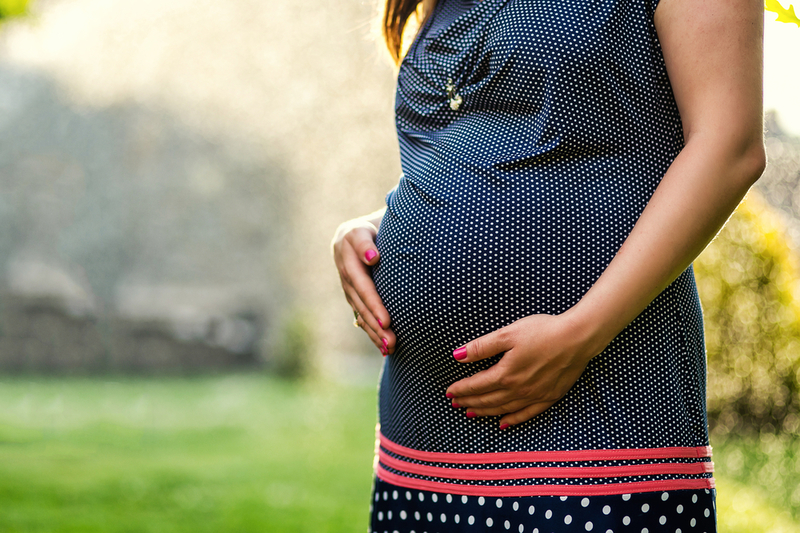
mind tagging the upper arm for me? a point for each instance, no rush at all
(713, 54)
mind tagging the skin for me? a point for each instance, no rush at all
(713, 53)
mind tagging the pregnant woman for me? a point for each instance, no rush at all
(530, 278)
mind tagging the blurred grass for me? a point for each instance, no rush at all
(249, 453)
(239, 453)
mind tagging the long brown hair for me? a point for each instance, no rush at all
(395, 17)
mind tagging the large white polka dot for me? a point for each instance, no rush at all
(588, 526)
(585, 502)
(606, 509)
(626, 520)
(568, 519)
(489, 522)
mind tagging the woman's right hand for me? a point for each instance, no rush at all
(354, 252)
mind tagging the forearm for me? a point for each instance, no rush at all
(701, 189)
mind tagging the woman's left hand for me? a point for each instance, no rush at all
(544, 357)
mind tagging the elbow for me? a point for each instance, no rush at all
(753, 161)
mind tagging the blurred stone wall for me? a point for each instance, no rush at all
(171, 147)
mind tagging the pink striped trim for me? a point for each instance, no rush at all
(547, 471)
(676, 452)
(544, 490)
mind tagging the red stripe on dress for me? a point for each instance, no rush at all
(676, 452)
(544, 490)
(547, 471)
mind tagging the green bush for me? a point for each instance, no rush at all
(293, 354)
(12, 8)
(747, 279)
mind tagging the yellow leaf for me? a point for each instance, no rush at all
(784, 15)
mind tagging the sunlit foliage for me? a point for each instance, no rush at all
(784, 15)
(12, 8)
(747, 280)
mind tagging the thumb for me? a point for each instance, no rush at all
(363, 241)
(484, 347)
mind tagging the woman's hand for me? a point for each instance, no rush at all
(354, 252)
(544, 357)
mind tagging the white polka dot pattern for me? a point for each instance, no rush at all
(512, 203)
(505, 211)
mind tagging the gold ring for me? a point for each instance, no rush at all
(355, 320)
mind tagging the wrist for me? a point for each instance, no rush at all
(588, 329)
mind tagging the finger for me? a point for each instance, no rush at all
(506, 408)
(494, 398)
(485, 347)
(385, 340)
(363, 240)
(523, 415)
(481, 383)
(366, 322)
(359, 278)
(376, 339)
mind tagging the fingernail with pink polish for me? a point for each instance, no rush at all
(385, 343)
(450, 395)
(369, 254)
(383, 351)
(504, 426)
(460, 354)
(470, 414)
(379, 322)
(454, 404)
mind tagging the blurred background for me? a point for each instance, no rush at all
(175, 351)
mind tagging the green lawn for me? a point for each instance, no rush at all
(241, 453)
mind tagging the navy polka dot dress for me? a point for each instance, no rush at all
(532, 135)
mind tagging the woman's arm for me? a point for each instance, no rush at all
(713, 54)
(354, 251)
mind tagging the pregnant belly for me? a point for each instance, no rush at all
(457, 268)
